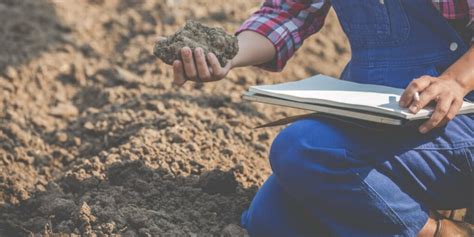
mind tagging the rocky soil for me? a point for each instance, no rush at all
(94, 139)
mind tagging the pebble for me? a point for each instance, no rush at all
(234, 122)
(227, 151)
(109, 227)
(88, 125)
(263, 136)
(61, 137)
(220, 134)
(65, 110)
(176, 137)
(192, 147)
(77, 141)
(155, 105)
(11, 73)
(259, 147)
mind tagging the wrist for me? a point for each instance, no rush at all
(236, 63)
(462, 72)
(465, 84)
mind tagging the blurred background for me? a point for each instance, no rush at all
(95, 139)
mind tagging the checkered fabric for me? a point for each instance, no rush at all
(287, 23)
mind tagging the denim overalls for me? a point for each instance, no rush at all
(332, 178)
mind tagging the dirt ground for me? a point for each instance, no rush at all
(95, 139)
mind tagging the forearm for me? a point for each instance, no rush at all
(462, 71)
(254, 49)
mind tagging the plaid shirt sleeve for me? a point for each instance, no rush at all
(453, 9)
(287, 23)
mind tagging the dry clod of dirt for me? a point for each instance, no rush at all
(196, 35)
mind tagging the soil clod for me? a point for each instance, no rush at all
(196, 35)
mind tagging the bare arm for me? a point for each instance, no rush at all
(255, 49)
(462, 71)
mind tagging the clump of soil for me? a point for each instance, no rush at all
(196, 35)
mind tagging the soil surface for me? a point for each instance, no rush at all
(195, 35)
(95, 139)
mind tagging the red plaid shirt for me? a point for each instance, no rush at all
(287, 23)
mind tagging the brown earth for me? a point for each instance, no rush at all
(95, 139)
(196, 35)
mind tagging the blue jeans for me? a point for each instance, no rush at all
(349, 181)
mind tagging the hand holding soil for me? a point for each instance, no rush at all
(198, 53)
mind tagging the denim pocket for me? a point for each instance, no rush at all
(401, 77)
(372, 22)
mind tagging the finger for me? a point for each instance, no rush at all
(215, 65)
(189, 66)
(178, 72)
(453, 110)
(201, 63)
(455, 107)
(428, 95)
(442, 108)
(417, 85)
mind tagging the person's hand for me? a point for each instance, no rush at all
(447, 93)
(198, 67)
(195, 66)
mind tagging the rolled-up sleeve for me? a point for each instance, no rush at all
(286, 23)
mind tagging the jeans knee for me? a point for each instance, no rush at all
(282, 151)
(285, 152)
(307, 148)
